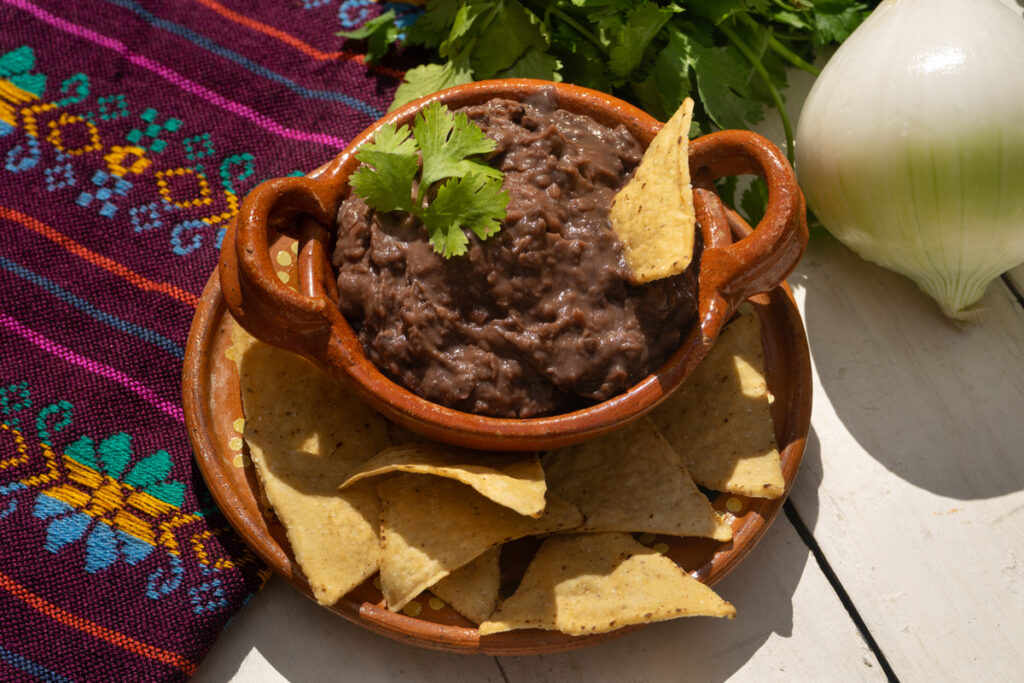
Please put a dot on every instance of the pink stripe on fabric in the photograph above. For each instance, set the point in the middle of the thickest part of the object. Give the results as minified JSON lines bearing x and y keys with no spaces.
{"x":177,"y":79}
{"x":92,"y":366}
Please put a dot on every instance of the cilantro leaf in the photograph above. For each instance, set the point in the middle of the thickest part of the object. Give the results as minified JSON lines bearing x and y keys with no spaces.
{"x":733,"y":60}
{"x":442,"y":147}
{"x":642,"y":24}
{"x":473,"y":201}
{"x":427,"y":78}
{"x":380,"y":33}
{"x":534,"y":64}
{"x":389,"y":167}
{"x":723,"y":81}
{"x":510,"y":33}
{"x":448,"y":142}
{"x":434,"y":24}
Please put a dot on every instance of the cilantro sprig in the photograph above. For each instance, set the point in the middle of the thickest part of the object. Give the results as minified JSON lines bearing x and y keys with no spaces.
{"x":442,"y":158}
{"x":730,"y":56}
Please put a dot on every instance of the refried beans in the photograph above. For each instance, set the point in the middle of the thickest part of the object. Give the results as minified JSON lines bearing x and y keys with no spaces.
{"x":537,"y":319}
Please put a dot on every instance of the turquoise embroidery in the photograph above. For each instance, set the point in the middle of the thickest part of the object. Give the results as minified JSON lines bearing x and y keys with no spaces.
{"x":112,"y":107}
{"x":104,"y":543}
{"x":229,"y":176}
{"x":153,"y":131}
{"x":79,"y":87}
{"x":209,"y":595}
{"x":14,"y":67}
{"x":108,"y":165}
{"x":60,"y":176}
{"x":18,"y":62}
{"x":104,"y":194}
{"x":19,"y":159}
{"x":59,"y":414}
{"x":14,"y":398}
{"x":147,"y":216}
{"x":10,"y":505}
{"x":198,"y":147}
{"x":115,"y":508}
{"x":355,"y":13}
{"x":187,"y":236}
{"x":165,"y":581}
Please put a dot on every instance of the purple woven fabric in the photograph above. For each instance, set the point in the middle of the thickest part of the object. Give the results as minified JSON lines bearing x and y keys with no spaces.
{"x":129,"y":131}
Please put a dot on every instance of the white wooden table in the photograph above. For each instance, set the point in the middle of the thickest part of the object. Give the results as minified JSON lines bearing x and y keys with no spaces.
{"x":900,"y":553}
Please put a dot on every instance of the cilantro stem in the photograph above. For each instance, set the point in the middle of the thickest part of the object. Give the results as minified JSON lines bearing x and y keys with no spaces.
{"x":772,"y":90}
{"x":781,"y":50}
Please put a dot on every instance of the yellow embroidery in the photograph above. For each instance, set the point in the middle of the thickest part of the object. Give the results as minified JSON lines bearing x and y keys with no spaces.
{"x":20,"y":448}
{"x":228,"y":213}
{"x":28,"y":117}
{"x":116,"y":160}
{"x":205,"y":193}
{"x":65,"y":120}
{"x":11,"y":95}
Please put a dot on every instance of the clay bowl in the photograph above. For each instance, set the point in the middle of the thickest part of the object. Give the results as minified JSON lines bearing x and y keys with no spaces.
{"x":309,"y":323}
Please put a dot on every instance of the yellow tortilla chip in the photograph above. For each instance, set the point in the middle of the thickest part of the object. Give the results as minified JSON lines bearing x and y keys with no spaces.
{"x":306,"y":433}
{"x":719,"y":422}
{"x":472,"y":590}
{"x":632,"y":480}
{"x":431,"y":526}
{"x":514,"y":480}
{"x":595,"y":583}
{"x":653,"y":214}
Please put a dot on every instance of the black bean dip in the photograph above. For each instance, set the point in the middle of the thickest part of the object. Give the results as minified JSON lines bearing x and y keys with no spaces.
{"x":537,"y":319}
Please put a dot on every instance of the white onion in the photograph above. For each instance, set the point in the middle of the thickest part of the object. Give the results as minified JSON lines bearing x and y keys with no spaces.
{"x":910,"y":146}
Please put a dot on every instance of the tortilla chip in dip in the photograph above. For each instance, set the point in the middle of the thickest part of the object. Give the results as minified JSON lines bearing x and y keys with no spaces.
{"x":514,"y":480}
{"x":632,"y":480}
{"x":719,"y":422}
{"x":431,"y":526}
{"x":305,"y":434}
{"x":653,"y":215}
{"x":472,"y":590}
{"x":595,"y":583}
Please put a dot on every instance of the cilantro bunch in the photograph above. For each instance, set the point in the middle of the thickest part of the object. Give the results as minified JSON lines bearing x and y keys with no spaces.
{"x":436,"y":173}
{"x":730,"y":56}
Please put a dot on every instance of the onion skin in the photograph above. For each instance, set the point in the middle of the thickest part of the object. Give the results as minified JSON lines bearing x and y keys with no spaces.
{"x":910,"y":146}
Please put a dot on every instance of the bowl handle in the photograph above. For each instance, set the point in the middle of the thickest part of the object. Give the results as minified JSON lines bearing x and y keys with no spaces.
{"x":257,"y":299}
{"x":763,"y":259}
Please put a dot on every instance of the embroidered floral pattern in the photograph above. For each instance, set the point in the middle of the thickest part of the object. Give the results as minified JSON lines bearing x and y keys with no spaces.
{"x":101,"y":503}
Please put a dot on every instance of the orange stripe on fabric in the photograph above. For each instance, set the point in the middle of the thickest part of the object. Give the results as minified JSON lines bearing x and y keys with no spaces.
{"x":305,"y":48}
{"x":102,"y":632}
{"x":98,"y":259}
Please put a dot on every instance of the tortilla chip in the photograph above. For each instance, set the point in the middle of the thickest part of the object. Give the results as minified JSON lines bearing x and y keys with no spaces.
{"x":514,"y":480}
{"x":431,"y":526}
{"x":595,"y":583}
{"x":653,"y":214}
{"x":306,"y":433}
{"x":472,"y":590}
{"x":632,"y":480}
{"x":719,"y":422}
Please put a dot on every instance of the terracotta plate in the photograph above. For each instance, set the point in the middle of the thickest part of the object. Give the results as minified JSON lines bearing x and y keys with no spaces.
{"x":213,"y":408}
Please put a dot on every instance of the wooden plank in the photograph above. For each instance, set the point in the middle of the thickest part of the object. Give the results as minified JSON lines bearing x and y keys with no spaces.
{"x":283,"y":636}
{"x":790,"y":626}
{"x":917,"y":497}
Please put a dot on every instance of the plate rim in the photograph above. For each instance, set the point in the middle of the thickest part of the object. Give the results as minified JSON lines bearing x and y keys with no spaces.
{"x":424,"y":633}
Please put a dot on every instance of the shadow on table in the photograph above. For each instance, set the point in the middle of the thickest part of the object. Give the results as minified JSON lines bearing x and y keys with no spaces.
{"x":303,"y":642}
{"x":940,"y":406}
{"x":700,"y":649}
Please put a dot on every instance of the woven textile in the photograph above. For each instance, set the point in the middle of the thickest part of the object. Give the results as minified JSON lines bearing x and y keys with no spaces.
{"x":129,"y":130}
